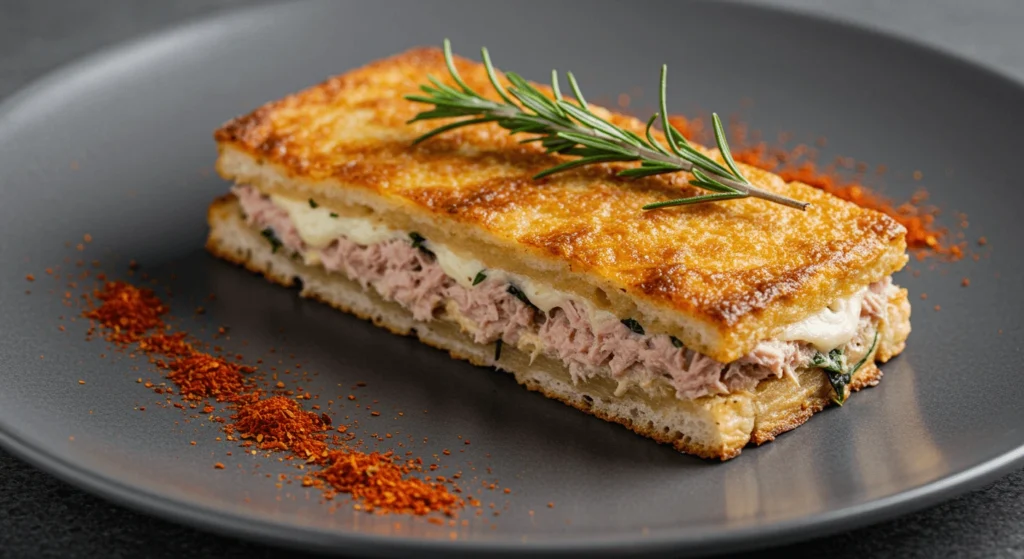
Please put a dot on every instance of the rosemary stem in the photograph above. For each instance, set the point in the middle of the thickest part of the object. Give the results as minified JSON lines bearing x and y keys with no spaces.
{"x":652,"y":155}
{"x":574,"y":130}
{"x":764,"y":194}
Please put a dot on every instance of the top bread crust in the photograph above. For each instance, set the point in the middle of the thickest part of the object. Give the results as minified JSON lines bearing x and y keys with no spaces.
{"x":719,"y":276}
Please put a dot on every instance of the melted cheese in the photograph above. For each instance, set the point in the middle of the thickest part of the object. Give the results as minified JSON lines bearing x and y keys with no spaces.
{"x":464,"y":269}
{"x":546,"y":298}
{"x":318,"y":228}
{"x":830,"y":328}
{"x":460,"y":268}
{"x":543,"y":297}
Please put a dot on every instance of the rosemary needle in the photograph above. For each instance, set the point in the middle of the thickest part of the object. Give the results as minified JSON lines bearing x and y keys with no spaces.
{"x":572,"y":129}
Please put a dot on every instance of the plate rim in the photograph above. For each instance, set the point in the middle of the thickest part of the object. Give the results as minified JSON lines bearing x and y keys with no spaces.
{"x":206,"y":519}
{"x":190,"y":513}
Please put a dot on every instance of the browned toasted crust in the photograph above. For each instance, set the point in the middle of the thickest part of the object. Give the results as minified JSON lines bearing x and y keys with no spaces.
{"x":777,"y":404}
{"x":744,"y":268}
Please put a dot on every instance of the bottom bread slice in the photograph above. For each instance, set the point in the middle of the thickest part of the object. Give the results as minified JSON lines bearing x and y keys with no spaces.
{"x":711,"y":427}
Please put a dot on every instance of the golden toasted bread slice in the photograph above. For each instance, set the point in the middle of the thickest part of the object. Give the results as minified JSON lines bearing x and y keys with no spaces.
{"x":720,"y":277}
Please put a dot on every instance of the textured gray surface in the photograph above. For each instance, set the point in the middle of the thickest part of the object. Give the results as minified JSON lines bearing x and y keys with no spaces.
{"x":41,"y":516}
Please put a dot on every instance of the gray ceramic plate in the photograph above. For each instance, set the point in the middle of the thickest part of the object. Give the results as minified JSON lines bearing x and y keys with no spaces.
{"x":119,"y":146}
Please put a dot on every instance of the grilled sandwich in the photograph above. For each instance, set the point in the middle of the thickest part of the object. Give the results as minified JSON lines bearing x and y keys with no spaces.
{"x":706,"y":327}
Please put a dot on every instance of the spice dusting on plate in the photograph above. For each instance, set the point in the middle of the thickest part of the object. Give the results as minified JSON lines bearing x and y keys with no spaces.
{"x":171,"y":345}
{"x":280,"y":423}
{"x":379,"y":482}
{"x":924,"y":236}
{"x":126,"y":312}
{"x":200,"y":376}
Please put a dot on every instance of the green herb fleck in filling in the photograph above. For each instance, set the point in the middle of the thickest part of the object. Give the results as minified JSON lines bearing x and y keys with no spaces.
{"x":417,"y":239}
{"x":271,"y":238}
{"x":834,"y":363}
{"x":417,"y":242}
{"x":634,"y":326}
{"x":518,"y":294}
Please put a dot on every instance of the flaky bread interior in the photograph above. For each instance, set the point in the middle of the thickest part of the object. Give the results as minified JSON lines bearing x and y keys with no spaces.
{"x":711,"y":427}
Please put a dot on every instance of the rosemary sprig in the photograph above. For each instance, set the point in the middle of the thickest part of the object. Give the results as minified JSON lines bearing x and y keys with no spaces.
{"x":572,"y":129}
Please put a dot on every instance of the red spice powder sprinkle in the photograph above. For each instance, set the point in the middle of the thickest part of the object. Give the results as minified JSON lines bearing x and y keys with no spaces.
{"x":127,"y":312}
{"x":280,"y":423}
{"x":795,"y":165}
{"x":171,"y":345}
{"x":915,"y":215}
{"x":382,"y":484}
{"x":200,"y":376}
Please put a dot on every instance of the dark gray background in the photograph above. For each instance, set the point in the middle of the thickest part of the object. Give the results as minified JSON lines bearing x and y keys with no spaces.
{"x":40,"y":516}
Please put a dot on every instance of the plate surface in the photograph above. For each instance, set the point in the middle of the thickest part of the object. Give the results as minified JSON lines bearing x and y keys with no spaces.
{"x":119,"y":146}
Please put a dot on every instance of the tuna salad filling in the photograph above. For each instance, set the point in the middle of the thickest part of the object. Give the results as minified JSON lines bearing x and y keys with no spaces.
{"x":495,"y":307}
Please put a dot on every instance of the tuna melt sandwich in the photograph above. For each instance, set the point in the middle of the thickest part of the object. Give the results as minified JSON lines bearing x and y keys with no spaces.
{"x":706,"y":327}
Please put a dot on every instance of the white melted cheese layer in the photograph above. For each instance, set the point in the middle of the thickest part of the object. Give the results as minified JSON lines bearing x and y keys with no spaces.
{"x":832,"y":327}
{"x":464,"y":270}
{"x":318,"y":228}
{"x":828,"y":329}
